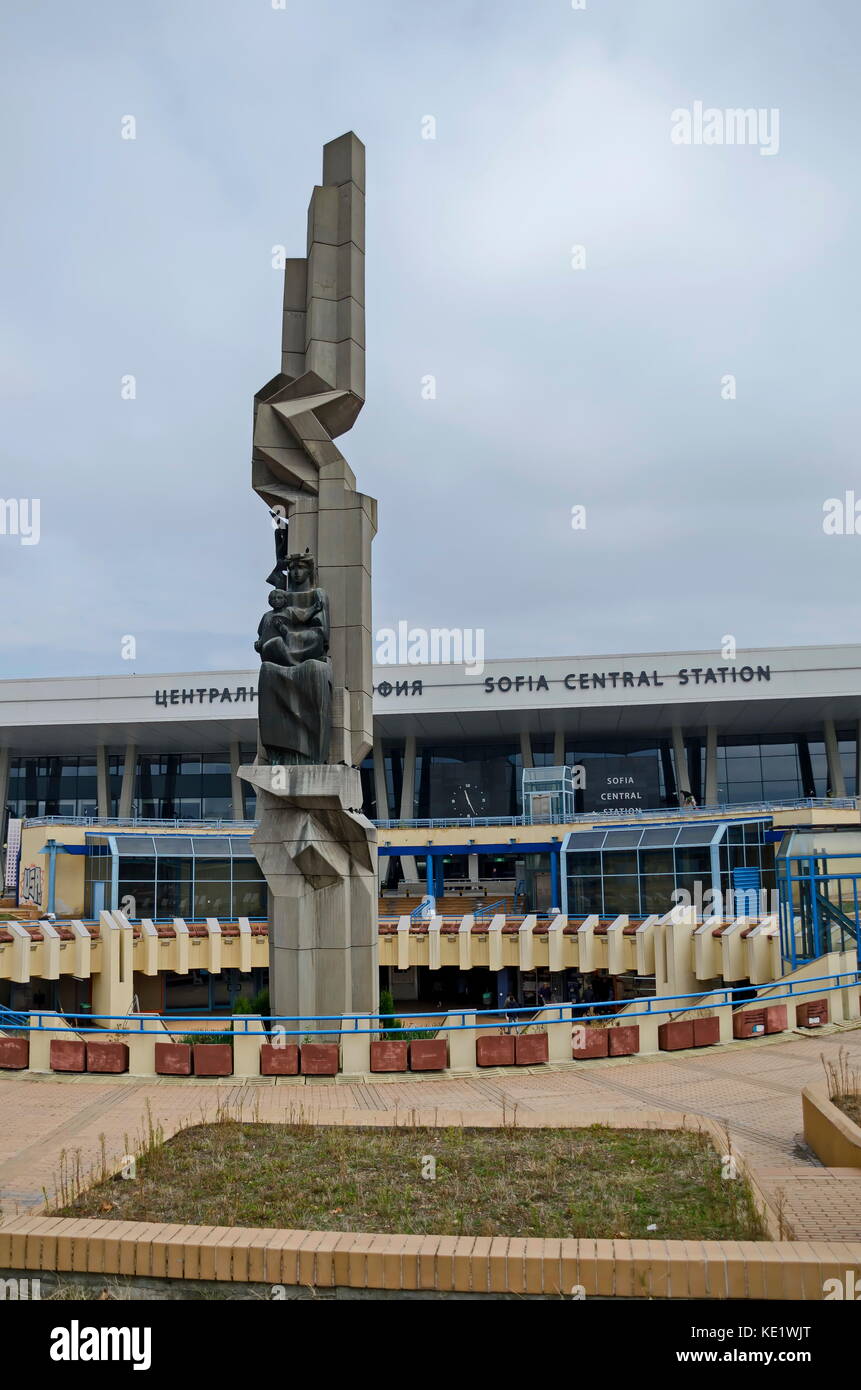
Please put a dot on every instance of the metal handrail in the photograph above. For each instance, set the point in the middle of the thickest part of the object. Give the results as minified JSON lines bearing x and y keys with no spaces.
{"x":374,"y":1023}
{"x":706,"y":812}
{"x":439,"y":823}
{"x":491,"y":907}
{"x":171,"y":822}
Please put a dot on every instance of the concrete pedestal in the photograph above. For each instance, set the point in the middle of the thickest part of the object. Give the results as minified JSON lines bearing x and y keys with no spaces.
{"x":319,"y":856}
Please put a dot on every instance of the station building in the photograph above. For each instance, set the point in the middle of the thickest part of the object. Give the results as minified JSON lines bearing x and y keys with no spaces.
{"x":583,"y":786}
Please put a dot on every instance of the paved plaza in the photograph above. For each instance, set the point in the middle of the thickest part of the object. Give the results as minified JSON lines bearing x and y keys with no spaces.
{"x":752,"y":1087}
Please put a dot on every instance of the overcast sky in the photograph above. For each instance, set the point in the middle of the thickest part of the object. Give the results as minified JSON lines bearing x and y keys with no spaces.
{"x":555,"y":387}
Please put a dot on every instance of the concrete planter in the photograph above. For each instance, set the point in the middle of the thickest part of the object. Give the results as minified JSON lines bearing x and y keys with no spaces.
{"x":624,"y":1041}
{"x":675,"y":1035}
{"x":428,"y":1054}
{"x":172,"y":1059}
{"x":389,"y":1054}
{"x":706,"y":1031}
{"x":110,"y":1057}
{"x":496,"y":1051}
{"x":833,"y":1137}
{"x":775,"y":1018}
{"x":595,"y":1042}
{"x":68,"y":1055}
{"x":279,"y":1061}
{"x":320,"y":1059}
{"x":213,"y":1059}
{"x":530,"y":1049}
{"x":14,"y":1054}
{"x":811,"y":1014}
{"x":749,"y":1025}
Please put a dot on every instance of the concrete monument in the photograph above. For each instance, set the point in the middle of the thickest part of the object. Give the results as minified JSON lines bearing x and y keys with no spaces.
{"x":316,"y":849}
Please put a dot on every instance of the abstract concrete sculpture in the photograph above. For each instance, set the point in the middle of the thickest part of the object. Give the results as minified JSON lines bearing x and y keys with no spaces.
{"x":316,"y":849}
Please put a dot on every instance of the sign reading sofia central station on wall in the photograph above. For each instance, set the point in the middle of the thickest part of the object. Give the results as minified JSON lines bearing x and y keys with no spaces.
{"x":633,"y":680}
{"x":555,"y":682}
{"x":620,"y":784}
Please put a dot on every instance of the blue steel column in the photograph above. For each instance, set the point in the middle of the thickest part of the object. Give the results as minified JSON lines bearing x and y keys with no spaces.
{"x":554,"y":877}
{"x":52,"y":847}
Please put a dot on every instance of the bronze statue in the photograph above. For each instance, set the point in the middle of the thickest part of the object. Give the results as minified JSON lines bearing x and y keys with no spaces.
{"x":295,"y":688}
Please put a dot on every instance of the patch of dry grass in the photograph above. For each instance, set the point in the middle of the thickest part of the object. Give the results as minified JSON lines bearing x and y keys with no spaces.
{"x":844,"y":1084}
{"x":597,"y":1182}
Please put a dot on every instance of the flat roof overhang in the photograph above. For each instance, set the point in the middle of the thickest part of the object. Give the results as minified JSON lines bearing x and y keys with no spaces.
{"x":744,"y":715}
{"x":734,"y":717}
{"x":165,"y":736}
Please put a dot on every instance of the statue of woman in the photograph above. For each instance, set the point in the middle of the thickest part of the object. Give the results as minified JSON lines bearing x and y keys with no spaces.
{"x":295,"y":689}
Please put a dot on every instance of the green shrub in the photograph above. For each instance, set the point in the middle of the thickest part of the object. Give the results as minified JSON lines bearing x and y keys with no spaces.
{"x":387,"y":1016}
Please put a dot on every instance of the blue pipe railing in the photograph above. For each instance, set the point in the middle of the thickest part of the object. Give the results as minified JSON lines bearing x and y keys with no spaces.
{"x":248,"y":1024}
{"x":12,"y":1018}
{"x":491,"y":907}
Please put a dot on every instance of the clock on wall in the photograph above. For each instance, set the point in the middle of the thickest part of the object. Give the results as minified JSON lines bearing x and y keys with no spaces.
{"x":468,"y":799}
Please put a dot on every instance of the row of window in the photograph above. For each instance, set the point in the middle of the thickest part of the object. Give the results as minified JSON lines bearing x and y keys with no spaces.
{"x":190,"y":786}
{"x":451,"y":781}
{"x":473,"y":779}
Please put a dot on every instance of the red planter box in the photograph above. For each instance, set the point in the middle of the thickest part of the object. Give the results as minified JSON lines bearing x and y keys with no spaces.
{"x":530,"y":1049}
{"x":428,"y":1054}
{"x":320,"y":1059}
{"x":495,"y":1051}
{"x":749,"y":1025}
{"x":595,"y":1043}
{"x":107,"y":1056}
{"x":279,"y":1061}
{"x":624,"y":1041}
{"x":172,"y":1059}
{"x":811,"y":1014}
{"x":68,"y":1055}
{"x":775,"y":1018}
{"x":213,"y":1059}
{"x":389,"y":1054}
{"x":14,"y":1054}
{"x":706,"y":1032}
{"x":676,"y":1035}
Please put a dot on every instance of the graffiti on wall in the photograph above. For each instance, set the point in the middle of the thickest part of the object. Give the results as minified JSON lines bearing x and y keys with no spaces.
{"x":31,"y":884}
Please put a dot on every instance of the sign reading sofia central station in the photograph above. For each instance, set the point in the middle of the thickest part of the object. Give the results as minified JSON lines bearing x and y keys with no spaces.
{"x":646,"y":678}
{"x":631,"y":680}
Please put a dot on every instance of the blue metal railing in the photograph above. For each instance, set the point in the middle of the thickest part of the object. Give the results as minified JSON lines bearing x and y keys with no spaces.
{"x":11,"y":1018}
{"x":491,"y":907}
{"x":350,"y":1024}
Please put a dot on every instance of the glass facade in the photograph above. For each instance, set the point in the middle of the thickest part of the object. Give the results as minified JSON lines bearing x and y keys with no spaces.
{"x":779,"y":769}
{"x":186,"y":785}
{"x":468,"y":779}
{"x":162,"y":876}
{"x":638,"y":870}
{"x":61,"y":786}
{"x":191,"y":786}
{"x":623,"y":774}
{"x":452,"y":780}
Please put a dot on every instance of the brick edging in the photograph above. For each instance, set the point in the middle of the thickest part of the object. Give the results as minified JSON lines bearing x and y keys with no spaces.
{"x":483,"y":1264}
